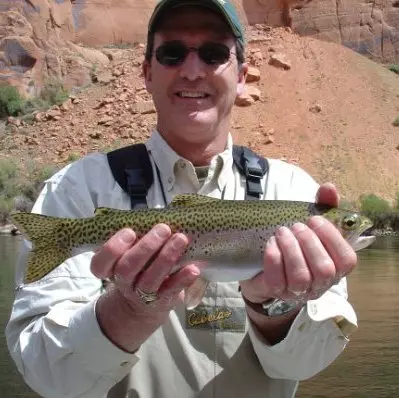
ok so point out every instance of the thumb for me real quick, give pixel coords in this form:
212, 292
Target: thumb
328, 195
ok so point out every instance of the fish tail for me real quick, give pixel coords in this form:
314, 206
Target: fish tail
47, 253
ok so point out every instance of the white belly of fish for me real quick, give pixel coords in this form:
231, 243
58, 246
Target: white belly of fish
229, 256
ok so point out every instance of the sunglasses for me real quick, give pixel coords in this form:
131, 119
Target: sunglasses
174, 53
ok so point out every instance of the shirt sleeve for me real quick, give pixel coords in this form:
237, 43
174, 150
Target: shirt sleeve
321, 330
53, 334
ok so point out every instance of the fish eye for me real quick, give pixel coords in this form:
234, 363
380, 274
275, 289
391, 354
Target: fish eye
349, 221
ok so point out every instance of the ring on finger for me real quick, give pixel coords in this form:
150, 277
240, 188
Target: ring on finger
146, 297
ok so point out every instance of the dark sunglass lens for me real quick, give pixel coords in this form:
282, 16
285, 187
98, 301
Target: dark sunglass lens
171, 53
214, 53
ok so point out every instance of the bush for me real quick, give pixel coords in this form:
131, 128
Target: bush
54, 93
6, 206
22, 203
396, 122
378, 210
394, 68
8, 173
11, 102
18, 189
372, 204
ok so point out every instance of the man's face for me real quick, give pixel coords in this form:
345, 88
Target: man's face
194, 99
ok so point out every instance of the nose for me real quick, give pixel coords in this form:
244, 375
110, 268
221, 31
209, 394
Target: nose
193, 67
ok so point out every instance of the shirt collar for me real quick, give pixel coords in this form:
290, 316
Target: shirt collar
166, 159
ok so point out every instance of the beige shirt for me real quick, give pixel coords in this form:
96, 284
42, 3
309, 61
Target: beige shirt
57, 345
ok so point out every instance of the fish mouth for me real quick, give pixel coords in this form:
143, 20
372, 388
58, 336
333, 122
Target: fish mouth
363, 238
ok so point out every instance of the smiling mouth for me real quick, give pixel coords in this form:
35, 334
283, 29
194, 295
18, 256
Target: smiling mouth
192, 94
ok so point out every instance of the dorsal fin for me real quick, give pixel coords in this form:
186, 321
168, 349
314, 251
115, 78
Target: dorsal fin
103, 211
187, 200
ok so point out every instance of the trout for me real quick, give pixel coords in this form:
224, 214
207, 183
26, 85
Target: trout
228, 236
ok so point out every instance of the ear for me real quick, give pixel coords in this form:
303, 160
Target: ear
242, 77
147, 73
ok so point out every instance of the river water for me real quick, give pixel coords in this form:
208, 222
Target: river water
368, 368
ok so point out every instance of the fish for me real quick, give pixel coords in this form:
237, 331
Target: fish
228, 236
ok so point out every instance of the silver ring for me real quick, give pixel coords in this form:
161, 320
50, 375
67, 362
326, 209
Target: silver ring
146, 298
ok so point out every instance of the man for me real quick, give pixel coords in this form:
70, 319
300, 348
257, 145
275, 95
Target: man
70, 338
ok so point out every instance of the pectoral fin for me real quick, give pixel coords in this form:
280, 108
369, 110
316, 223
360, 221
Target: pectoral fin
194, 294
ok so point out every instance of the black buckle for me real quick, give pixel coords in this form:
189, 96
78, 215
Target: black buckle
135, 183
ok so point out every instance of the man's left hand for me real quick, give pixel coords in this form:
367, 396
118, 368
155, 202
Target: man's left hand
304, 261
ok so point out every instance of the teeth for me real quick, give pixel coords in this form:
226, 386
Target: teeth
189, 94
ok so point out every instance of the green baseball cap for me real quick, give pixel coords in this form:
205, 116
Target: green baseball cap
223, 7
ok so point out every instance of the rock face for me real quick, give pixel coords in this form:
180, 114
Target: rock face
370, 28
127, 19
40, 39
36, 46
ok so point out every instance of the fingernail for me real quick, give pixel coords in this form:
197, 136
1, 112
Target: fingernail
299, 292
126, 236
162, 231
317, 221
271, 241
283, 231
298, 227
178, 243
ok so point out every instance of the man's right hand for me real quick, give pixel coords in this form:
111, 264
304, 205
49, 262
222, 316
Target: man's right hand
145, 264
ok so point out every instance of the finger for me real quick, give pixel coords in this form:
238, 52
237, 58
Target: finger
274, 274
151, 279
328, 195
173, 287
297, 273
340, 251
319, 262
135, 260
104, 259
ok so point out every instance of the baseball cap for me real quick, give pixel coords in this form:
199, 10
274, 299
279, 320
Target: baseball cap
223, 7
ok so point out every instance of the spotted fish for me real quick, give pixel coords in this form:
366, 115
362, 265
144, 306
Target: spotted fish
228, 236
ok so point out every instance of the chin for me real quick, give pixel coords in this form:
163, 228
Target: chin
200, 120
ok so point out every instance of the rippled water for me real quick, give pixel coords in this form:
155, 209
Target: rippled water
369, 367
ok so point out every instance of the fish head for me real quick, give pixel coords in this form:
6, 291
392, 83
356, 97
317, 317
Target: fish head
352, 226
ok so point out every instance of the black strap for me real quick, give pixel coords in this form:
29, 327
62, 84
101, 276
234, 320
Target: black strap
131, 168
253, 167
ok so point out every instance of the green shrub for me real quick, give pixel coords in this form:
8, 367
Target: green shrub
379, 210
34, 104
6, 206
11, 102
18, 188
73, 156
396, 122
54, 93
8, 173
394, 68
372, 204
